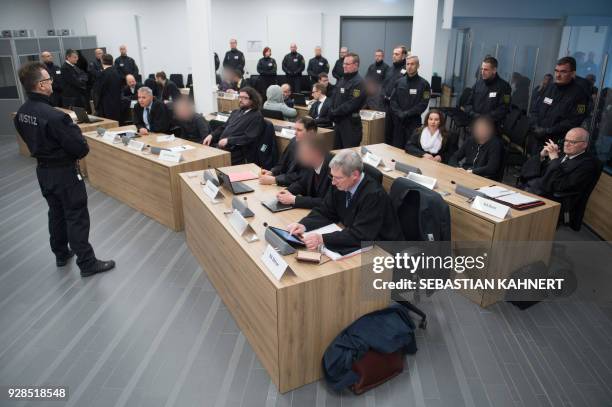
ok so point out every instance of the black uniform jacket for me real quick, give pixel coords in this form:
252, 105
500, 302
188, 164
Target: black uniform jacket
317, 66
349, 97
491, 98
369, 217
266, 66
293, 64
234, 59
126, 65
377, 71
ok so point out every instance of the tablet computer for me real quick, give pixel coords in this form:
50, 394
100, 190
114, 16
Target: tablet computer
287, 237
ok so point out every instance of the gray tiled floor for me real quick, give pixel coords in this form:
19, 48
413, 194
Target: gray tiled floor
154, 333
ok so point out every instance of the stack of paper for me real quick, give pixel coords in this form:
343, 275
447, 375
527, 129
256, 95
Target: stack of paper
517, 199
495, 191
331, 254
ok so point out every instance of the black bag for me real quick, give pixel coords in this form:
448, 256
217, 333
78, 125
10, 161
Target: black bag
267, 152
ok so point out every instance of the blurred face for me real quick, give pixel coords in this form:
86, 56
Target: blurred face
575, 142
299, 131
343, 52
482, 132
183, 110
123, 50
46, 57
379, 56
293, 48
397, 55
144, 99
130, 80
564, 74
286, 91
160, 80
308, 156
268, 53
245, 100
44, 85
317, 51
371, 88
341, 181
433, 122
487, 71
412, 66
324, 81
350, 65
233, 44
99, 54
73, 58
546, 80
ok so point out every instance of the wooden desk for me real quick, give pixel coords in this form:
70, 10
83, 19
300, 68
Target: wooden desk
282, 141
289, 323
470, 225
226, 104
141, 180
85, 127
373, 129
598, 214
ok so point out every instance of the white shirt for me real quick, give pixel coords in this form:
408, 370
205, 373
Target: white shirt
321, 101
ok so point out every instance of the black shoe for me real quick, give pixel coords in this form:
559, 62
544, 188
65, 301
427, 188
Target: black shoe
64, 261
100, 266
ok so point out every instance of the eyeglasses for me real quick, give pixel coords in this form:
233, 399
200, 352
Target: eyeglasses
44, 80
573, 142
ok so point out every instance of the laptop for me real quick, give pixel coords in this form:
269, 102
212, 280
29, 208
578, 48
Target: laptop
275, 206
237, 188
83, 117
299, 99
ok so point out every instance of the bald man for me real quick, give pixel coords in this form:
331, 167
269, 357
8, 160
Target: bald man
293, 66
571, 172
234, 58
317, 65
56, 74
125, 64
95, 66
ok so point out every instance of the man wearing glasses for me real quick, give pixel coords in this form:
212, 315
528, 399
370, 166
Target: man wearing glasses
57, 144
552, 173
356, 201
561, 107
349, 97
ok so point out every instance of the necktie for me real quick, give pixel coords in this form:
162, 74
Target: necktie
316, 108
564, 159
349, 196
146, 118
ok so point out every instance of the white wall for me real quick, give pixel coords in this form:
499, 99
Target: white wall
28, 14
163, 26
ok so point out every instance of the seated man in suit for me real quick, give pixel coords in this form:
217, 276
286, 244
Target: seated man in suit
319, 110
130, 90
243, 129
169, 91
314, 181
287, 92
483, 152
193, 126
553, 172
232, 82
150, 115
356, 201
288, 169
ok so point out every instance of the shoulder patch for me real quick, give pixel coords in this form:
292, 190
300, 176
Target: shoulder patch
426, 94
581, 108
356, 93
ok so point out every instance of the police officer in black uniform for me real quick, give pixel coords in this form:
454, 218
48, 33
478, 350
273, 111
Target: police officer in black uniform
125, 64
338, 70
56, 74
57, 144
348, 99
378, 70
317, 65
395, 71
234, 58
266, 68
561, 107
410, 99
490, 94
293, 66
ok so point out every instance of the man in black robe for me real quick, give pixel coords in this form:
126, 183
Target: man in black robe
108, 90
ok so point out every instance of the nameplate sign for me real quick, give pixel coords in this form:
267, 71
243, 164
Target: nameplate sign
490, 207
170, 156
212, 191
288, 132
111, 137
274, 262
135, 145
167, 137
242, 227
371, 159
221, 118
426, 181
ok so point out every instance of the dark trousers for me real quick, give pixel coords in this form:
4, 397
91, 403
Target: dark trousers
296, 83
402, 131
388, 125
348, 132
68, 215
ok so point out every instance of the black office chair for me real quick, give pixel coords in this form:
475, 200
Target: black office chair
372, 172
152, 76
189, 80
436, 87
177, 78
272, 114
